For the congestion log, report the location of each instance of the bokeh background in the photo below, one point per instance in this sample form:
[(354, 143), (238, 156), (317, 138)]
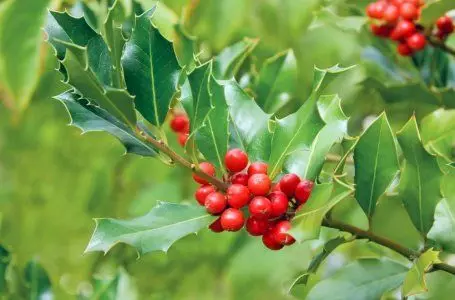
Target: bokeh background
[(53, 180)]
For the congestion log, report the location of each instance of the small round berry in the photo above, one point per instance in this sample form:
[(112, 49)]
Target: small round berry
[(280, 203), (208, 169), (270, 242), (179, 122), (409, 11), (417, 41), (403, 29), (257, 168), (260, 207), (232, 219), (376, 10), (445, 24), (391, 13), (256, 227), (288, 183), (240, 178), (215, 203), (404, 50), (303, 191), (259, 184), (216, 226), (236, 160), (202, 192), (280, 233), (238, 195), (276, 187), (441, 35), (182, 138), (381, 30)]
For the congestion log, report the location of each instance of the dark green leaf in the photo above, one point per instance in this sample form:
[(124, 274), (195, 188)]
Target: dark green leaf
[(5, 259), (81, 9), (438, 133), (200, 94), (414, 282), (37, 281), (228, 62)]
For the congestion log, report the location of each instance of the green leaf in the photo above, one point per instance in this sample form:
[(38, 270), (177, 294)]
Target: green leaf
[(306, 224), (111, 287), (157, 230), (37, 281), (326, 16), (441, 286), (250, 124), (200, 94), (362, 279), (151, 70), (5, 259), (375, 162), (277, 81), (433, 10), (420, 179), (414, 282), (184, 47), (81, 9), (228, 62), (438, 133), (20, 47), (89, 117)]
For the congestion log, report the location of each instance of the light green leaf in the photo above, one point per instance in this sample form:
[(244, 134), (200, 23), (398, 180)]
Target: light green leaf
[(184, 47), (228, 62), (326, 16), (433, 10), (361, 279), (375, 162), (156, 231), (441, 286), (39, 286), (89, 118), (438, 133), (112, 287), (420, 181), (414, 282), (151, 70)]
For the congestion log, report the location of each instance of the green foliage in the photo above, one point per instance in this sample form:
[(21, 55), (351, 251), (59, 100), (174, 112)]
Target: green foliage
[(414, 282), (434, 10), (37, 282)]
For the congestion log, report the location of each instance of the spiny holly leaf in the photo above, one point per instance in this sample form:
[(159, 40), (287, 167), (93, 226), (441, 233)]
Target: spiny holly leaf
[(157, 230), (81, 9), (414, 282), (375, 162), (307, 222), (250, 124), (184, 47), (200, 94), (89, 117), (112, 287), (433, 10), (277, 81), (5, 259), (362, 279), (151, 70), (38, 284), (438, 133), (420, 179), (228, 62)]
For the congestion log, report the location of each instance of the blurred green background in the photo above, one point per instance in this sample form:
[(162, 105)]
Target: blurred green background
[(53, 180)]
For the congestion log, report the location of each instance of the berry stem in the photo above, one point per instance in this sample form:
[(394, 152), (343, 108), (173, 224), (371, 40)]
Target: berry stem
[(362, 234), (440, 44), (182, 161)]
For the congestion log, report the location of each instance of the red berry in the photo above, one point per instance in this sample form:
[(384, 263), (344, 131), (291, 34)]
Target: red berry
[(216, 226), (179, 122), (270, 242), (288, 183), (441, 35), (259, 184), (256, 226), (276, 187), (303, 190), (417, 41), (381, 30), (238, 195), (280, 233), (182, 138), (232, 219), (257, 168), (208, 169), (409, 11), (280, 203), (260, 207), (445, 24), (376, 10), (403, 29), (404, 50), (391, 13), (240, 178), (236, 160), (202, 192), (215, 203)]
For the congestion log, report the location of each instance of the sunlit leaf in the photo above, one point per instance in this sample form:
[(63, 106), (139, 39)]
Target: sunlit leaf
[(414, 282)]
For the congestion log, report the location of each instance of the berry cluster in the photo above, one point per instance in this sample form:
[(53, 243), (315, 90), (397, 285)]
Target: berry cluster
[(269, 206), (396, 20), (180, 124)]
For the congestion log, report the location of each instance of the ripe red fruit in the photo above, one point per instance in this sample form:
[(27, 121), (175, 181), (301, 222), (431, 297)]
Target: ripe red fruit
[(376, 10), (403, 29), (391, 13), (238, 195), (256, 227), (276, 187), (257, 168), (417, 41), (404, 50), (260, 207), (288, 183), (208, 169), (280, 203), (216, 226), (215, 203), (240, 178), (202, 192), (232, 219), (179, 122), (280, 233), (445, 24), (381, 30), (409, 11), (182, 138), (259, 184), (303, 191), (270, 242), (236, 160)]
